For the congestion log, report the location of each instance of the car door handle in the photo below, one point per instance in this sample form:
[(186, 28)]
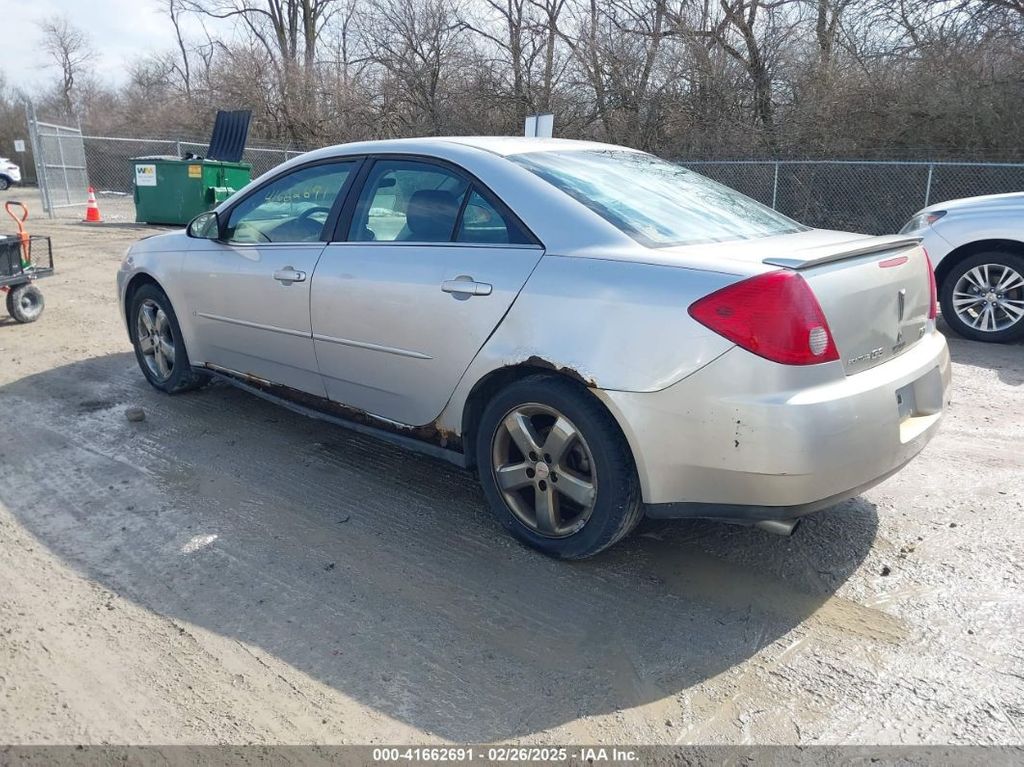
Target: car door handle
[(288, 275), (466, 286)]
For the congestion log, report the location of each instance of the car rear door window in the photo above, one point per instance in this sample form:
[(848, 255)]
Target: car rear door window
[(292, 208), (408, 201), (485, 224)]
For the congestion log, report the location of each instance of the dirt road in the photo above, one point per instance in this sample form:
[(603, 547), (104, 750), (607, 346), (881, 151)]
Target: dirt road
[(227, 571)]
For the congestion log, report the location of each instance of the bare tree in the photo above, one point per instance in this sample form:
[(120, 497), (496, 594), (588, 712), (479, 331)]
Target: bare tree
[(288, 29), (418, 46), (174, 10), (678, 77), (745, 32), (512, 36), (828, 17), (70, 51), (550, 12), (289, 33)]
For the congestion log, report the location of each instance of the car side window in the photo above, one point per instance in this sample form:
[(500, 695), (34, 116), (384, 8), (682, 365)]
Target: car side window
[(482, 223), (408, 201), (293, 208)]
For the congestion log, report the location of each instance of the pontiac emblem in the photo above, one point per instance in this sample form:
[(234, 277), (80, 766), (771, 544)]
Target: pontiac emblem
[(901, 307)]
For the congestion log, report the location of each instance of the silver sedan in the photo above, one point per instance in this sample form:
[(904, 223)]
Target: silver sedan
[(599, 333)]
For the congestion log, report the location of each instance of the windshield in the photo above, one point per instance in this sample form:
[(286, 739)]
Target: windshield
[(655, 202)]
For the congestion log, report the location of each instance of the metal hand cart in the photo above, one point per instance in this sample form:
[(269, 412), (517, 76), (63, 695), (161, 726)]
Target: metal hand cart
[(23, 260)]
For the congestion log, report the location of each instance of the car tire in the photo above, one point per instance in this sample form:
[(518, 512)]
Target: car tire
[(25, 303), (963, 288), (5, 183), (159, 347), (565, 520)]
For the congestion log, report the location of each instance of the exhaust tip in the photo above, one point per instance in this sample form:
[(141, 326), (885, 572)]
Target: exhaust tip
[(778, 526)]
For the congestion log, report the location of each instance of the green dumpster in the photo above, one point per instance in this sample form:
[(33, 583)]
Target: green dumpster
[(170, 190)]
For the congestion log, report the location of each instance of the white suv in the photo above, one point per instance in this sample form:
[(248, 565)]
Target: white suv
[(10, 174)]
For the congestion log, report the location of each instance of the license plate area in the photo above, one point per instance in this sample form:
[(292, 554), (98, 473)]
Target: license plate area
[(906, 402), (919, 404)]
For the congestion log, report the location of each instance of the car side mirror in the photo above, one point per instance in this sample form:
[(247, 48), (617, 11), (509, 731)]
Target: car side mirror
[(205, 226)]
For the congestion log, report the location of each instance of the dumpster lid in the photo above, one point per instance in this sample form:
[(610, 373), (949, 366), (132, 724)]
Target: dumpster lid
[(230, 131), (157, 157)]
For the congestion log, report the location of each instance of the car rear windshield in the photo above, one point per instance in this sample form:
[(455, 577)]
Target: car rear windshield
[(653, 201)]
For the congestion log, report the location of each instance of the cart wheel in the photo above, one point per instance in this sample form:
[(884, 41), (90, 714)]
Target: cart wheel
[(25, 303)]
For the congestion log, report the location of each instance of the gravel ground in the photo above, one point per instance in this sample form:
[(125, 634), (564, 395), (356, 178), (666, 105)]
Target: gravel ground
[(228, 571)]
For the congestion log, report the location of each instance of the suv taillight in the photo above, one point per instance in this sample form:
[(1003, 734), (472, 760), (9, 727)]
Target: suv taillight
[(933, 290), (774, 315)]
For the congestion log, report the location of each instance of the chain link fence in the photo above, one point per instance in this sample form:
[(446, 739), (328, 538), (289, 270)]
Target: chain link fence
[(871, 196), (875, 197), (112, 170), (59, 157), (111, 167)]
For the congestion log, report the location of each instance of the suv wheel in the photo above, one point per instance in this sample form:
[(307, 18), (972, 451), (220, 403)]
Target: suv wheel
[(983, 297), (555, 468), (5, 183)]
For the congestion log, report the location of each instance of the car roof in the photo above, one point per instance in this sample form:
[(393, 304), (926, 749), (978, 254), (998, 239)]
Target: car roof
[(503, 146), (509, 145), (561, 222)]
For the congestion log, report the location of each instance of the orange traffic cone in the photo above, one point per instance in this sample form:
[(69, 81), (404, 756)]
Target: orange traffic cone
[(92, 210)]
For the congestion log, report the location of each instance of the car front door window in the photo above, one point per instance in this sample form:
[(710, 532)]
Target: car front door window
[(293, 208)]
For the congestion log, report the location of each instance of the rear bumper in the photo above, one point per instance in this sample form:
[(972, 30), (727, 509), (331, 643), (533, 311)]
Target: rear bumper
[(747, 439), (735, 512)]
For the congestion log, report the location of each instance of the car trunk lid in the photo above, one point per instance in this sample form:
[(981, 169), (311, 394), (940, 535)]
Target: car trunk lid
[(874, 291)]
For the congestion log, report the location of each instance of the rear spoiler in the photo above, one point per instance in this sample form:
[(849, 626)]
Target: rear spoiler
[(828, 253)]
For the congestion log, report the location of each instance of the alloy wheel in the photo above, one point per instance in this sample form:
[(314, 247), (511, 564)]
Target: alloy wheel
[(989, 297), (155, 339), (544, 470)]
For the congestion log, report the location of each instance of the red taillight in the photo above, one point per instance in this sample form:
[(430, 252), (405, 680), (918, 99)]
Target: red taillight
[(933, 290), (775, 316)]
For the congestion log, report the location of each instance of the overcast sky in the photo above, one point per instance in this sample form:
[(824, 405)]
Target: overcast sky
[(120, 30)]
